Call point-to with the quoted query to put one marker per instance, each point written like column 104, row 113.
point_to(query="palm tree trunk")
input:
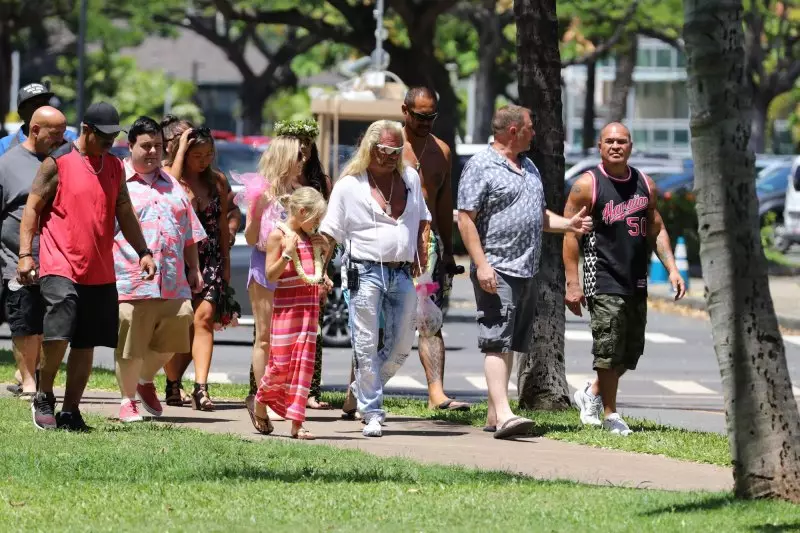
column 541, row 373
column 762, row 417
column 588, row 107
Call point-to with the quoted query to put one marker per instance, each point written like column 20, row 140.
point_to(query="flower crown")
column 297, row 128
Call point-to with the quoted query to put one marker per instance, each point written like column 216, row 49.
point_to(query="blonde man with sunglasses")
column 377, row 210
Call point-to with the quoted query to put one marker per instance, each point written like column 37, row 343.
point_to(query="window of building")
column 640, row 136
column 681, row 59
column 661, row 136
column 680, row 100
column 681, row 137
column 643, row 58
column 664, row 58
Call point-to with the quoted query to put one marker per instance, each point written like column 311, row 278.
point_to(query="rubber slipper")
column 304, row 434
column 489, row 429
column 452, row 405
column 514, row 426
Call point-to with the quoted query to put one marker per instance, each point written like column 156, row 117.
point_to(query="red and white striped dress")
column 295, row 319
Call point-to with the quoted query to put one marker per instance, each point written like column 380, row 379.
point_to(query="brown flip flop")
column 257, row 421
column 514, row 427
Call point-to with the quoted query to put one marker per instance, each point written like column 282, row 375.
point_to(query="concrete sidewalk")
column 440, row 442
column 785, row 293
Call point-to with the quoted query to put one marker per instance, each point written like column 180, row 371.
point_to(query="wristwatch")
column 286, row 257
column 146, row 251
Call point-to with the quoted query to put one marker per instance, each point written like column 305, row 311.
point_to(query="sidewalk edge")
column 693, row 302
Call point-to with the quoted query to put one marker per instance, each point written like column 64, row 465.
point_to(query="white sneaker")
column 590, row 414
column 616, row 425
column 373, row 428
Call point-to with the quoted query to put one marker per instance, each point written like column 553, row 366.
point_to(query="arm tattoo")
column 122, row 196
column 664, row 248
column 45, row 184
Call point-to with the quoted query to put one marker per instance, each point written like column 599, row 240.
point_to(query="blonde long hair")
column 360, row 161
column 308, row 199
column 279, row 164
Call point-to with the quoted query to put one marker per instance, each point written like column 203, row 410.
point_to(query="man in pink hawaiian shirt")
column 155, row 315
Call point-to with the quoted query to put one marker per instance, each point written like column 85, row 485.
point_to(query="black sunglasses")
column 422, row 116
column 200, row 132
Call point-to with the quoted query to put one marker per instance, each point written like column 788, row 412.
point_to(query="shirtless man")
column 431, row 158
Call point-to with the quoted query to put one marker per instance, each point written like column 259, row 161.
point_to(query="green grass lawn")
column 154, row 477
column 649, row 437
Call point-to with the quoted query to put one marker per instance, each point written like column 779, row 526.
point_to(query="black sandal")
column 201, row 401
column 262, row 425
column 173, row 394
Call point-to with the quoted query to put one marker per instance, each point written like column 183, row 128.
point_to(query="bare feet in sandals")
column 301, row 433
column 258, row 416
column 313, row 403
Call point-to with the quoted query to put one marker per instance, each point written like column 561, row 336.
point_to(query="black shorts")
column 24, row 310
column 85, row 315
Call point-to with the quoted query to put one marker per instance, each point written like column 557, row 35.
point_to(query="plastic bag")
column 255, row 187
column 429, row 316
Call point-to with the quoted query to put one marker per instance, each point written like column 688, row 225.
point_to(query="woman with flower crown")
column 274, row 178
column 294, row 264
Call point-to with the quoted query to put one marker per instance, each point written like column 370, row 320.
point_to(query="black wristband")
column 146, row 251
column 25, row 255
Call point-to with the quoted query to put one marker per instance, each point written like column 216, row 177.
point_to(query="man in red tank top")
column 78, row 195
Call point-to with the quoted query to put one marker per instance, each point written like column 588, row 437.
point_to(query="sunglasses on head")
column 422, row 116
column 388, row 150
column 200, row 132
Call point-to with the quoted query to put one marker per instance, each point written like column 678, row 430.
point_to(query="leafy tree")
column 761, row 411
column 22, row 24
column 114, row 78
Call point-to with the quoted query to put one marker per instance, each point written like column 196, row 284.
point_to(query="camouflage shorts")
column 618, row 324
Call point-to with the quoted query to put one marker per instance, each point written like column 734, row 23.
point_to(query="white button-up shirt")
column 356, row 220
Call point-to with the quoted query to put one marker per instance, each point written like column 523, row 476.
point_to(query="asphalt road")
column 677, row 381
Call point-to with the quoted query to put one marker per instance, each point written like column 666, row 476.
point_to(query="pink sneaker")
column 129, row 412
column 147, row 394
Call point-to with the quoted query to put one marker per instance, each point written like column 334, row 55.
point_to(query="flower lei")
column 297, row 128
column 317, row 278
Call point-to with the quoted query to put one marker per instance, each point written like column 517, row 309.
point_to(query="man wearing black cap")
column 29, row 99
column 77, row 198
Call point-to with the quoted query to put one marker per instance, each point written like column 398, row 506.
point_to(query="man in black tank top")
column 627, row 225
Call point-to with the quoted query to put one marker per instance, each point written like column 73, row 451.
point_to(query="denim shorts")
column 505, row 319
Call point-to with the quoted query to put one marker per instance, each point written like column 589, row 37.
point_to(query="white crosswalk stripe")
column 578, row 381
column 405, row 382
column 684, row 387
column 796, row 391
column 479, row 382
column 661, row 338
column 213, row 377
column 586, row 336
column 578, row 335
column 792, row 339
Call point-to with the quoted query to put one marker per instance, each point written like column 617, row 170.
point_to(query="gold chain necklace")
column 89, row 166
column 388, row 208
column 424, row 147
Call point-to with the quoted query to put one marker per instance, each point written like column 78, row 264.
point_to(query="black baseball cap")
column 104, row 117
column 32, row 90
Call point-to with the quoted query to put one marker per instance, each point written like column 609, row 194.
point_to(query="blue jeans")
column 391, row 294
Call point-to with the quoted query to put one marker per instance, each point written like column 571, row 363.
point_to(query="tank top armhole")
column 594, row 189
column 643, row 176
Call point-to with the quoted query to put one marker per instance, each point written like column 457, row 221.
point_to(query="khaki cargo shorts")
column 160, row 326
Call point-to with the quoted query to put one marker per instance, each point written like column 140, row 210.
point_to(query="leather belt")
column 392, row 265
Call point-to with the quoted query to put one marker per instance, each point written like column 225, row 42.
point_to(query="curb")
column 693, row 302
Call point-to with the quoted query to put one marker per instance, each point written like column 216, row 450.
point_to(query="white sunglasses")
column 389, row 150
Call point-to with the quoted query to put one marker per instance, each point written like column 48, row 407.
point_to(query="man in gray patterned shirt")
column 501, row 217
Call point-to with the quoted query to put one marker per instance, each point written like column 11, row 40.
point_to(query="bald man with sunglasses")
column 432, row 159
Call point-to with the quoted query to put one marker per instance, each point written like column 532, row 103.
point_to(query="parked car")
column 771, row 191
column 788, row 233
column 656, row 168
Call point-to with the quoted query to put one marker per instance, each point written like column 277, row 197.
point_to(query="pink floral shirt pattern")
column 169, row 224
